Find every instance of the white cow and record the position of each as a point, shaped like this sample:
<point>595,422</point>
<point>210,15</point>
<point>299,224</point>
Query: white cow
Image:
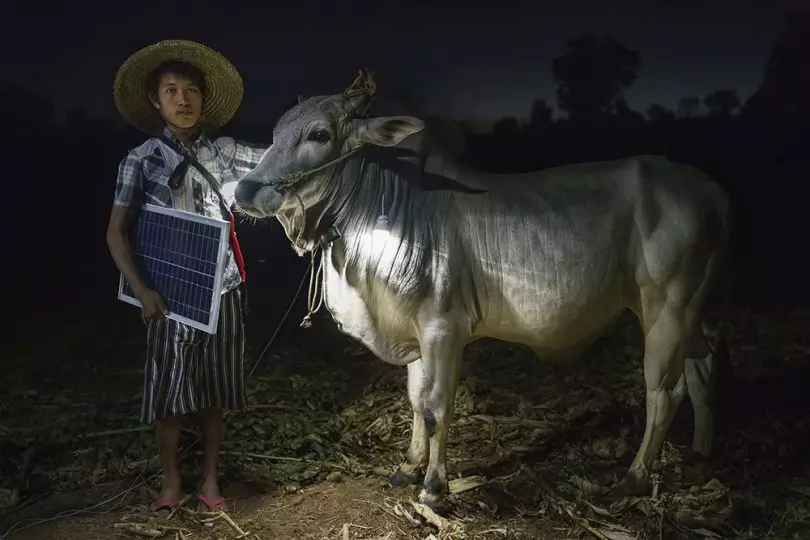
<point>547,259</point>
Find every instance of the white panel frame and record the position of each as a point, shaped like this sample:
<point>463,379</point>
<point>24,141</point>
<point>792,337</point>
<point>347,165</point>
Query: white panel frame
<point>216,294</point>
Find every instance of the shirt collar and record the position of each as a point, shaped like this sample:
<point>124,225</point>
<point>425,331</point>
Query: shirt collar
<point>201,141</point>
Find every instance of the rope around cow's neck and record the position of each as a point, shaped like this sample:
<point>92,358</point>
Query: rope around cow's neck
<point>315,293</point>
<point>287,182</point>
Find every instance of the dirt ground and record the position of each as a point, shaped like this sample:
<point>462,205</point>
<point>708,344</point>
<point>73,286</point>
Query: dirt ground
<point>539,443</point>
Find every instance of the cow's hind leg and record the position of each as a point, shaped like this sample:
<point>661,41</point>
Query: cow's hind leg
<point>667,336</point>
<point>410,472</point>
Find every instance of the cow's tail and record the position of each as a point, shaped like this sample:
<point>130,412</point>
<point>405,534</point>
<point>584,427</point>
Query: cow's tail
<point>722,373</point>
<point>716,334</point>
<point>717,339</point>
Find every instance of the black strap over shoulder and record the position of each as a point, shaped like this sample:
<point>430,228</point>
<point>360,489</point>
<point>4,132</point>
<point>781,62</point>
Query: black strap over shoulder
<point>179,173</point>
<point>176,179</point>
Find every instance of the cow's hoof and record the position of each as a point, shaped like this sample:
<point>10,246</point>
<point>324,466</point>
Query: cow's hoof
<point>433,500</point>
<point>631,486</point>
<point>403,479</point>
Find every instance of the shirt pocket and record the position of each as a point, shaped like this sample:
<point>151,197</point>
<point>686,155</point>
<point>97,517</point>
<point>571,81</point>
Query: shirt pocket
<point>157,186</point>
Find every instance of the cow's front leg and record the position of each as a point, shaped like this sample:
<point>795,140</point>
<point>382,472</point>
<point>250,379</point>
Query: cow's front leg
<point>442,349</point>
<point>410,472</point>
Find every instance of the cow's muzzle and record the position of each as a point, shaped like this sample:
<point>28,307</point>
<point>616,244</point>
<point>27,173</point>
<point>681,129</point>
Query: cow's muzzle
<point>246,190</point>
<point>256,198</point>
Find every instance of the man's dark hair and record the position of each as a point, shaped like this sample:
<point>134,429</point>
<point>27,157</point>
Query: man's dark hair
<point>178,67</point>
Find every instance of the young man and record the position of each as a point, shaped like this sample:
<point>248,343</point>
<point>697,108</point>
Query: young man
<point>182,90</point>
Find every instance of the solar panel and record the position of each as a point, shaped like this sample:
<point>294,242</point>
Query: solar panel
<point>182,256</point>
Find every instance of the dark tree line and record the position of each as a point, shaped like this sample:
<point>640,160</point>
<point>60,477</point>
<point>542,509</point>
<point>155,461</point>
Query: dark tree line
<point>63,172</point>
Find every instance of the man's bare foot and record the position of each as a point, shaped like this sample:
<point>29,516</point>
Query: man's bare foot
<point>169,497</point>
<point>210,495</point>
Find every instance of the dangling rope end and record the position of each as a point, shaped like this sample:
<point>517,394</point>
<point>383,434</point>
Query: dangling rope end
<point>315,294</point>
<point>306,322</point>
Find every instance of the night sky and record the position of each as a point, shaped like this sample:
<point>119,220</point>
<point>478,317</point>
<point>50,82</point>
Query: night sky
<point>467,61</point>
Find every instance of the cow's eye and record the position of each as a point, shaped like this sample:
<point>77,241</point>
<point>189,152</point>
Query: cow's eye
<point>319,135</point>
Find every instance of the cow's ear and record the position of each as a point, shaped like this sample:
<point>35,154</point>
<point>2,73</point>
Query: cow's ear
<point>386,130</point>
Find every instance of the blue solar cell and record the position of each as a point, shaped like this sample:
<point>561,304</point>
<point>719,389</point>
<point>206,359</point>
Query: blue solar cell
<point>182,256</point>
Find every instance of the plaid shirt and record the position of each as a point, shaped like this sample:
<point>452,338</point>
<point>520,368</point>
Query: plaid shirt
<point>143,177</point>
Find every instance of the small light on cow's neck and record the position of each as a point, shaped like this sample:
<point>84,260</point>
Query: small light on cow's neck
<point>382,228</point>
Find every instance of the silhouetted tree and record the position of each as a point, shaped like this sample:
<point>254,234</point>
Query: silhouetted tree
<point>786,83</point>
<point>541,113</point>
<point>722,102</point>
<point>689,107</point>
<point>592,74</point>
<point>506,128</point>
<point>626,114</point>
<point>659,113</point>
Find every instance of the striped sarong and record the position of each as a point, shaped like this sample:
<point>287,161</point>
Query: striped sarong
<point>188,370</point>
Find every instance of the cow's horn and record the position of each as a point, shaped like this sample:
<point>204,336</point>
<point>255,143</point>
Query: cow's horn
<point>362,91</point>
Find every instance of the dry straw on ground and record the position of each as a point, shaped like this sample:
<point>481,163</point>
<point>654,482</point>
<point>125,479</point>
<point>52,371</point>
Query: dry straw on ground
<point>532,451</point>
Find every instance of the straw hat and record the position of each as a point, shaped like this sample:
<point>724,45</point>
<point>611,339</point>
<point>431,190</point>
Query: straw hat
<point>223,84</point>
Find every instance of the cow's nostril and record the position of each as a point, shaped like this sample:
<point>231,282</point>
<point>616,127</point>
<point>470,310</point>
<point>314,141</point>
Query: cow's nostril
<point>246,189</point>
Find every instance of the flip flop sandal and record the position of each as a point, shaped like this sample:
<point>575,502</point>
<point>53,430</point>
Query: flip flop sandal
<point>163,509</point>
<point>213,506</point>
<point>166,508</point>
